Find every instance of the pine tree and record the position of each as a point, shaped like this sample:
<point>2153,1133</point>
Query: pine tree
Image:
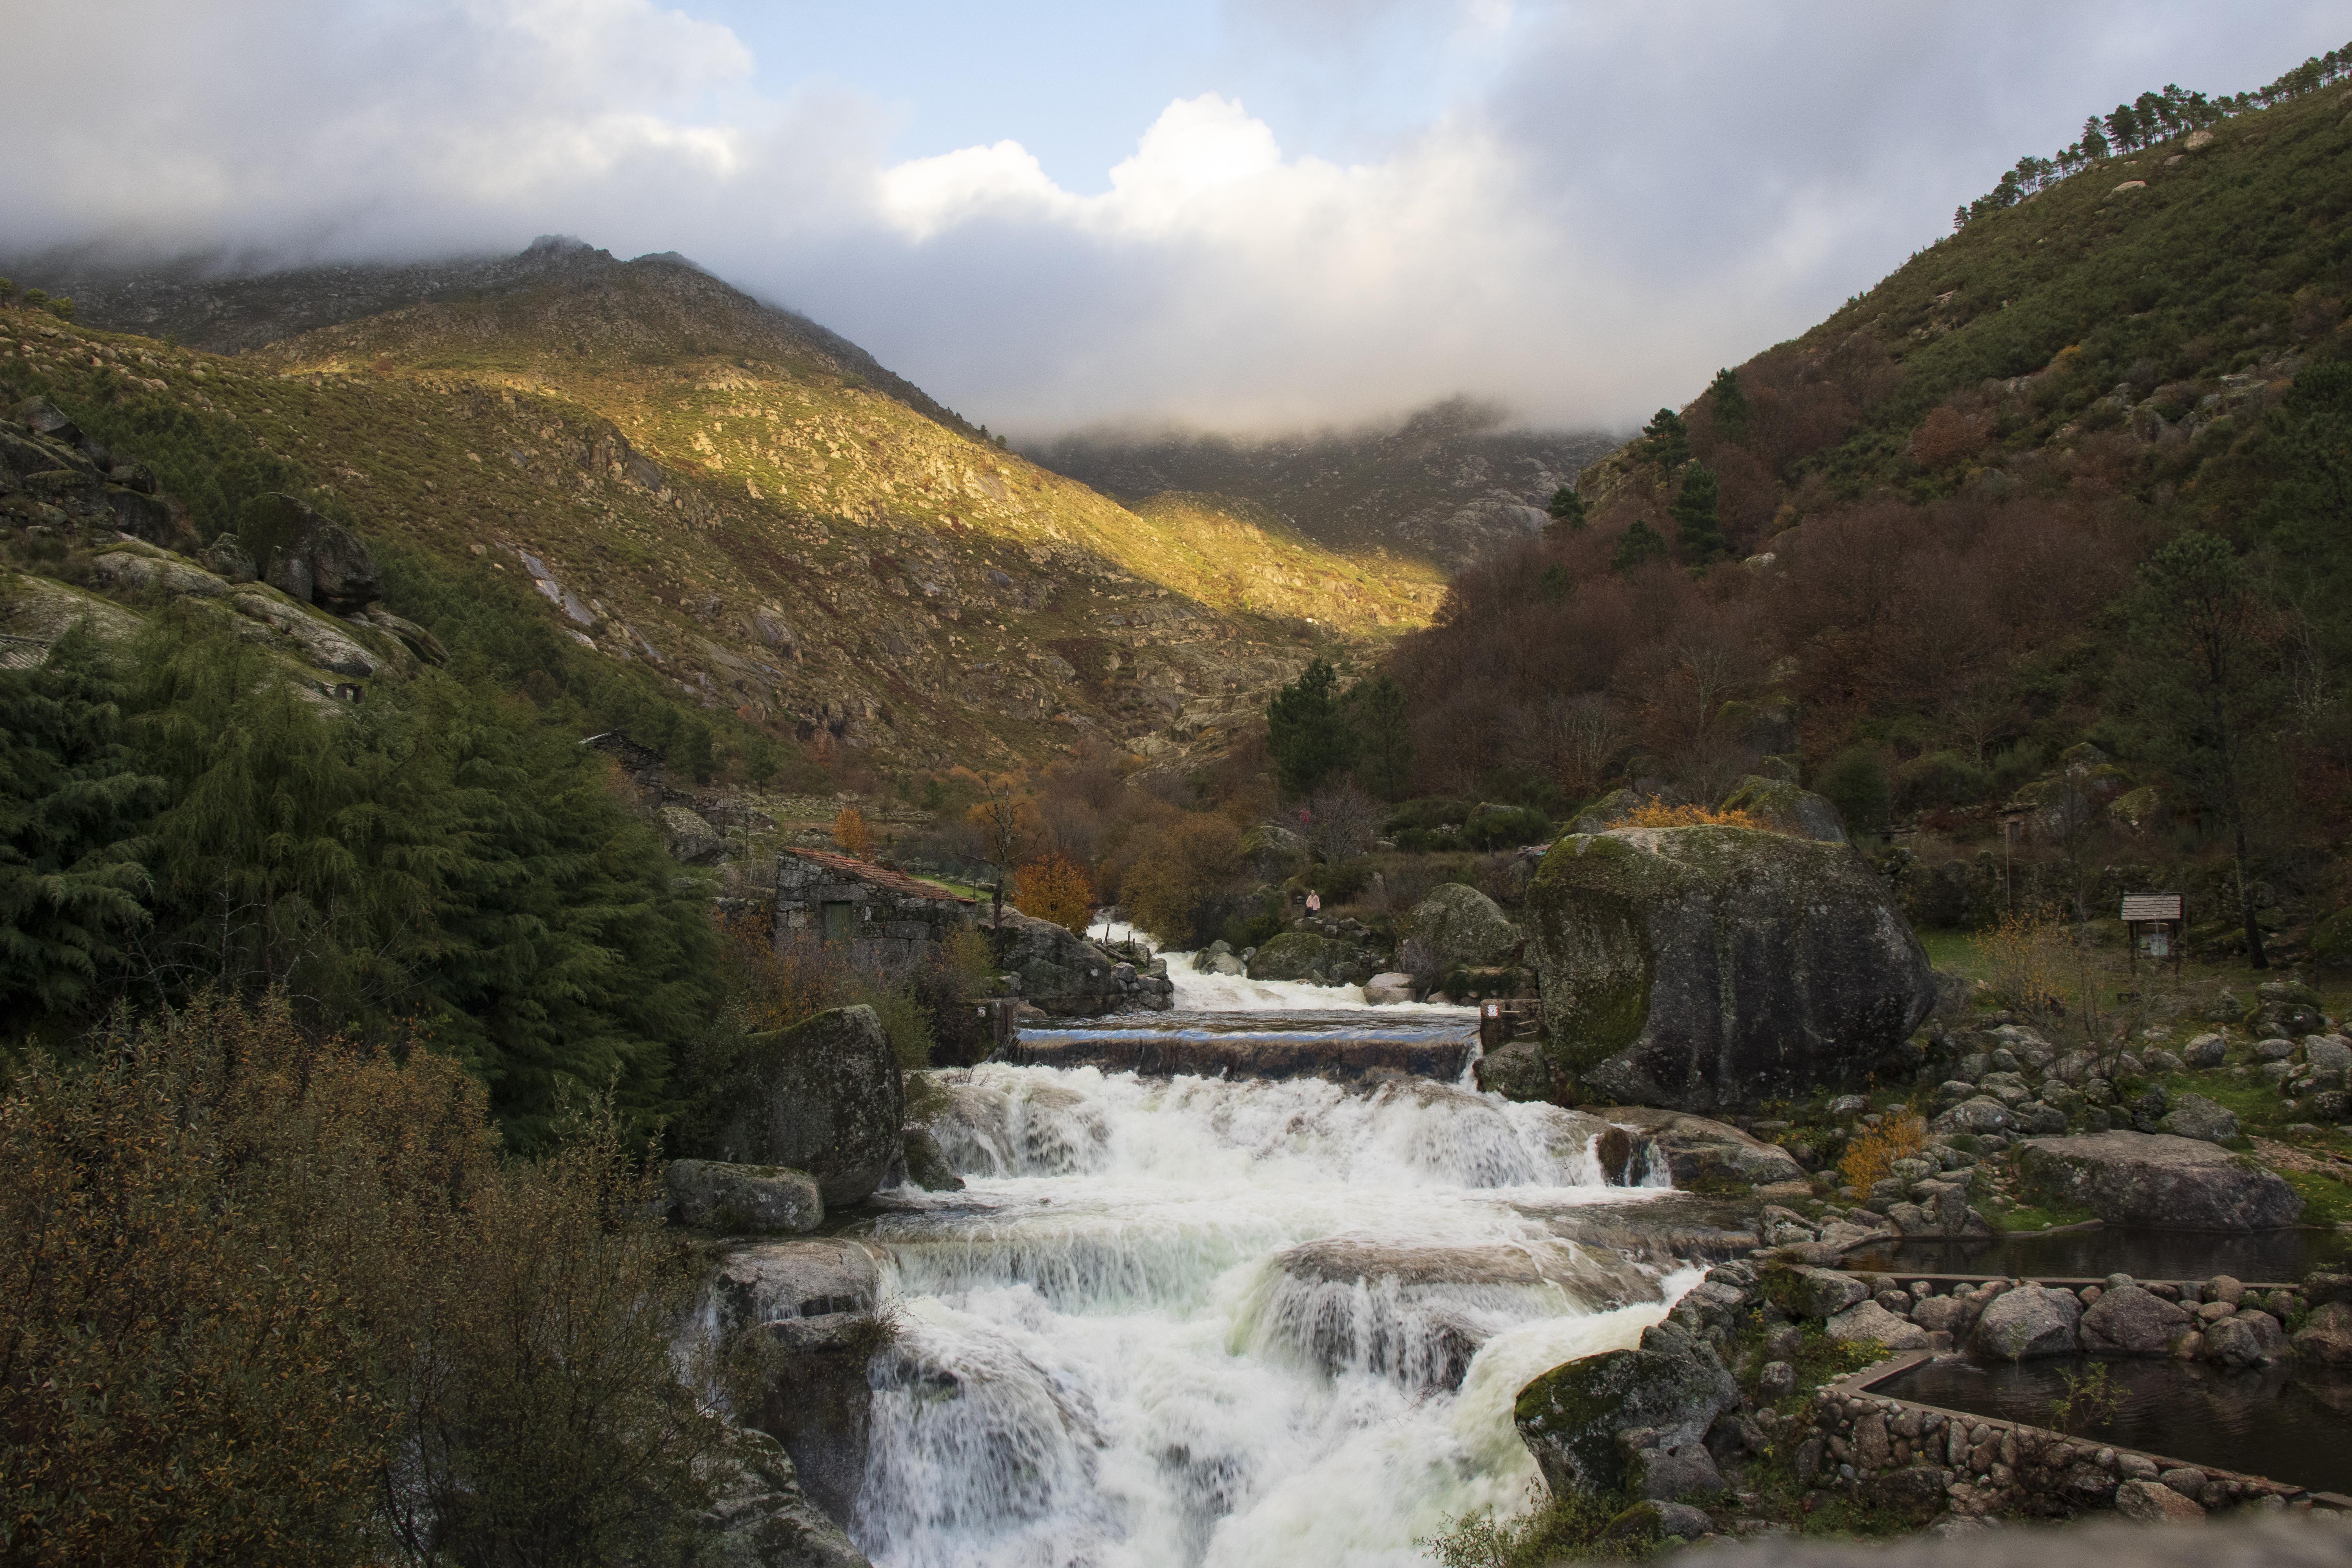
<point>2094,139</point>
<point>72,806</point>
<point>1729,405</point>
<point>1306,732</point>
<point>1697,512</point>
<point>1641,545</point>
<point>1667,439</point>
<point>1383,725</point>
<point>1566,508</point>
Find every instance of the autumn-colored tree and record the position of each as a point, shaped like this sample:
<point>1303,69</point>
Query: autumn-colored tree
<point>1006,820</point>
<point>1057,888</point>
<point>1178,867</point>
<point>852,833</point>
<point>1945,437</point>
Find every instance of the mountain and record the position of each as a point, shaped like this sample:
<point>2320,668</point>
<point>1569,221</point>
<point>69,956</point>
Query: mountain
<point>1452,484</point>
<point>695,482</point>
<point>1900,553</point>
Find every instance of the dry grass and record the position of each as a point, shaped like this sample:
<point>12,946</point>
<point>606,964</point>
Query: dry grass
<point>1870,1158</point>
<point>1656,813</point>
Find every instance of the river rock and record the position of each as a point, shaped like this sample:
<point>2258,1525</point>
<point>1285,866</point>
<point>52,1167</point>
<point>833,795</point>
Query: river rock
<point>1303,955</point>
<point>1464,926</point>
<point>1699,1150</point>
<point>1066,976</point>
<point>2153,1502</point>
<point>743,1199</point>
<point>2128,1320</point>
<point>1672,1475</point>
<point>927,1162</point>
<point>1515,1071</point>
<point>813,1305</point>
<point>2249,1338</point>
<point>1695,967</point>
<point>1570,1417</point>
<point>1784,807</point>
<point>1813,1293</point>
<point>2027,1321</point>
<point>1392,986</point>
<point>2205,1052</point>
<point>2159,1180</point>
<point>1867,1323</point>
<point>760,1517</point>
<point>2194,1116</point>
<point>2326,1336</point>
<point>823,1097</point>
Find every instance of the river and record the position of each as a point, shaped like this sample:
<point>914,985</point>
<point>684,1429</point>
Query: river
<point>1144,1336</point>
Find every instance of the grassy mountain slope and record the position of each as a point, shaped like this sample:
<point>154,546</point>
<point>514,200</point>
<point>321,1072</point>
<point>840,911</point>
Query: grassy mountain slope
<point>694,482</point>
<point>1450,485</point>
<point>1941,495</point>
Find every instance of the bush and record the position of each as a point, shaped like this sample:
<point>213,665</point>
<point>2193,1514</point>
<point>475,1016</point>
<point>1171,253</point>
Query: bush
<point>273,1299</point>
<point>1506,828</point>
<point>1180,868</point>
<point>1943,779</point>
<point>1855,780</point>
<point>1656,813</point>
<point>1057,888</point>
<point>1899,1135</point>
<point>1428,812</point>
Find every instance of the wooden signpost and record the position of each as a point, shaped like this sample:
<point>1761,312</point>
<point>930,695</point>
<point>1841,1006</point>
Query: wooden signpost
<point>2156,927</point>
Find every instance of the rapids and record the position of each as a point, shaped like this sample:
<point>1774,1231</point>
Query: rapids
<point>1178,1320</point>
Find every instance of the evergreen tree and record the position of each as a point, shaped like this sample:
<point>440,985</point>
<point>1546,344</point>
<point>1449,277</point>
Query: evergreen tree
<point>72,808</point>
<point>1667,439</point>
<point>2094,139</point>
<point>2204,684</point>
<point>1729,405</point>
<point>1697,512</point>
<point>1641,545</point>
<point>1566,508</point>
<point>1310,737</point>
<point>1383,725</point>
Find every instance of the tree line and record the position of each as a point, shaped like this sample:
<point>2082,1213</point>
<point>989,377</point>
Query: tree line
<point>2148,120</point>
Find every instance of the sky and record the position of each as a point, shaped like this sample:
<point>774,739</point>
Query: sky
<point>1227,215</point>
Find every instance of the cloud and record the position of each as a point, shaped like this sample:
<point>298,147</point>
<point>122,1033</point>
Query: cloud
<point>1612,203</point>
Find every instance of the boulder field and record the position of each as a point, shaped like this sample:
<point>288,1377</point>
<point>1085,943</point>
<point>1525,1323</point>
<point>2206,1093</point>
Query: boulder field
<point>1702,967</point>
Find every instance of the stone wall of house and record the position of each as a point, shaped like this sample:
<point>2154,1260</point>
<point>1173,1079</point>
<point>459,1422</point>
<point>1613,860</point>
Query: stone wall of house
<point>895,921</point>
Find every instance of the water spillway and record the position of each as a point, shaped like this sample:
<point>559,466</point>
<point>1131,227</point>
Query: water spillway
<point>1185,1319</point>
<point>1261,1043</point>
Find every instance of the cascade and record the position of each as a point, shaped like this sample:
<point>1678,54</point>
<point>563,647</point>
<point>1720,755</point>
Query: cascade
<point>1273,1322</point>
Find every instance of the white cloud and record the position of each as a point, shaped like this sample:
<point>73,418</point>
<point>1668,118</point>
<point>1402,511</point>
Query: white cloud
<point>1616,201</point>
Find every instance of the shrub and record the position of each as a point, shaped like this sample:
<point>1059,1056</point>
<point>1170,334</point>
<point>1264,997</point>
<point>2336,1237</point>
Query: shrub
<point>1506,828</point>
<point>1855,780</point>
<point>1870,1158</point>
<point>852,834</point>
<point>1057,888</point>
<point>1178,869</point>
<point>1656,813</point>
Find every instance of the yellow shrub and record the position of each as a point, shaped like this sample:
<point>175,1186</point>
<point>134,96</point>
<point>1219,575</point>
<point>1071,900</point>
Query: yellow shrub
<point>852,833</point>
<point>1056,889</point>
<point>1656,813</point>
<point>2024,957</point>
<point>1899,1135</point>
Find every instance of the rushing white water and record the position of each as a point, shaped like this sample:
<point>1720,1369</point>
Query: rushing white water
<point>1197,993</point>
<point>1185,1321</point>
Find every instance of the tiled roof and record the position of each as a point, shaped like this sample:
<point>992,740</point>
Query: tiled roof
<point>858,870</point>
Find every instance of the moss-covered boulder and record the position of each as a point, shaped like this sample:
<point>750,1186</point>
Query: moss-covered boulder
<point>1570,1417</point>
<point>1784,807</point>
<point>1302,955</point>
<point>1465,927</point>
<point>743,1199</point>
<point>1704,967</point>
<point>823,1097</point>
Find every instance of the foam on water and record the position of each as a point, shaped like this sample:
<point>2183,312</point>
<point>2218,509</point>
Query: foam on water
<point>1116,1351</point>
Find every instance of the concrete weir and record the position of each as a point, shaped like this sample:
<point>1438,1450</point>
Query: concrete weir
<point>1345,1045</point>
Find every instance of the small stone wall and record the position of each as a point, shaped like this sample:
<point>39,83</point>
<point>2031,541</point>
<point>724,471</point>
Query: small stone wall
<point>1892,1450</point>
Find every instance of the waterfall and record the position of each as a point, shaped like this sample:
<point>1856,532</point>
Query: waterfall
<point>1183,1321</point>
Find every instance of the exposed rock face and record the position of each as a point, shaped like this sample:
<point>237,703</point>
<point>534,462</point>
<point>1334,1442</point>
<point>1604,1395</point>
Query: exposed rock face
<point>1698,1151</point>
<point>2157,1179</point>
<point>927,1162</point>
<point>1303,955</point>
<point>710,1193</point>
<point>821,1097</point>
<point>1464,926</point>
<point>1697,967</point>
<point>1785,808</point>
<point>307,556</point>
<point>1570,1417</point>
<point>2029,1321</point>
<point>2127,1321</point>
<point>1867,1323</point>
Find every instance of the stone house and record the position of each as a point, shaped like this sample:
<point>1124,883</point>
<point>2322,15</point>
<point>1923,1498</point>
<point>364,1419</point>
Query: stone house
<point>887,919</point>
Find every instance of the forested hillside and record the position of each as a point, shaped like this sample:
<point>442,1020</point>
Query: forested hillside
<point>1903,552</point>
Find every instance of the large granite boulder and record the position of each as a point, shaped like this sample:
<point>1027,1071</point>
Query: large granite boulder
<point>1784,807</point>
<point>2030,1321</point>
<point>1698,967</point>
<point>1570,1417</point>
<point>1699,1152</point>
<point>2158,1180</point>
<point>1304,956</point>
<point>1464,926</point>
<point>1067,976</point>
<point>1867,1323</point>
<point>1612,810</point>
<point>811,1306</point>
<point>308,556</point>
<point>824,1097</point>
<point>760,1517</point>
<point>2128,1320</point>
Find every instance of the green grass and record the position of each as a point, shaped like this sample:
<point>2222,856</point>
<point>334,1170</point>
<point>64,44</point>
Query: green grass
<point>2325,1200</point>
